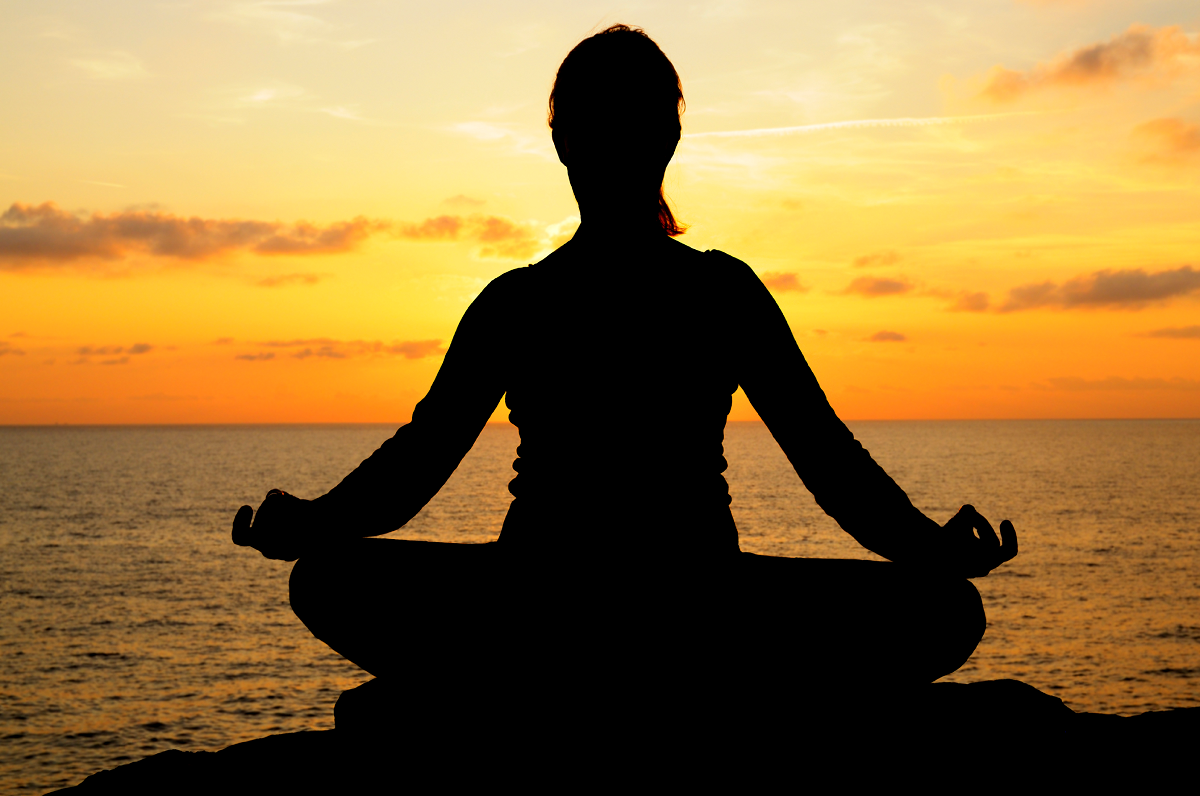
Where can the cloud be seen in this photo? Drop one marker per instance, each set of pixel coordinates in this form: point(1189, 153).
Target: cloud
point(781, 282)
point(259, 357)
point(438, 228)
point(7, 348)
point(1130, 289)
point(110, 66)
point(970, 302)
point(887, 337)
point(503, 238)
point(762, 132)
point(1139, 51)
point(290, 279)
point(417, 349)
point(47, 234)
point(285, 20)
point(340, 112)
point(521, 142)
point(464, 201)
point(117, 354)
point(328, 348)
point(1076, 384)
point(162, 396)
point(295, 343)
point(878, 258)
point(44, 234)
point(223, 341)
point(1171, 139)
point(110, 350)
point(873, 287)
point(324, 351)
point(1176, 333)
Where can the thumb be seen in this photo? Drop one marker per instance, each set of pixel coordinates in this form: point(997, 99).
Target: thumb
point(241, 526)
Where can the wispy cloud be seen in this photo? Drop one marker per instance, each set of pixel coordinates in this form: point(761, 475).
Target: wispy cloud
point(110, 66)
point(970, 302)
point(287, 20)
point(1138, 52)
point(114, 354)
point(7, 348)
point(887, 337)
point(282, 280)
point(1176, 333)
point(520, 141)
point(340, 112)
point(162, 396)
point(44, 234)
point(872, 286)
point(329, 348)
point(854, 124)
point(781, 282)
point(1170, 140)
point(462, 201)
point(888, 257)
point(1131, 289)
point(1076, 384)
point(107, 350)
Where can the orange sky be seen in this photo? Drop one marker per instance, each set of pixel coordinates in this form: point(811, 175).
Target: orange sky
point(278, 211)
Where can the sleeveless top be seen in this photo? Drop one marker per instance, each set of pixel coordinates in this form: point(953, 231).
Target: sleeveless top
point(619, 375)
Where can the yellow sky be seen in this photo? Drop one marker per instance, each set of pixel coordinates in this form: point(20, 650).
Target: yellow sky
point(278, 211)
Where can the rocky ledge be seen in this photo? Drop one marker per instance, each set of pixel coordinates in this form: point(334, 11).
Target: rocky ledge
point(997, 733)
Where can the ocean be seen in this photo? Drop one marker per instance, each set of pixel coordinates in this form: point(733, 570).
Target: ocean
point(129, 624)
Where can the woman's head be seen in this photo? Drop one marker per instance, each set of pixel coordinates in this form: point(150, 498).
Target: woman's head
point(614, 112)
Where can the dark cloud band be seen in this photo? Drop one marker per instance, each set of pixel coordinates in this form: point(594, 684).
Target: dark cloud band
point(46, 235)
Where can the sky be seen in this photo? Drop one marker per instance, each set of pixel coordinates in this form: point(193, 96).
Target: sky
point(277, 211)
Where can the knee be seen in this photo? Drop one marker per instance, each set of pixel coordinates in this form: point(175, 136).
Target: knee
point(303, 587)
point(964, 623)
point(971, 619)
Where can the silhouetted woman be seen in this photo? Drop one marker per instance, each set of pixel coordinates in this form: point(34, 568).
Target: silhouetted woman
point(618, 561)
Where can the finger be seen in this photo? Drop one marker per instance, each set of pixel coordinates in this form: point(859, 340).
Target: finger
point(961, 522)
point(241, 526)
point(987, 534)
point(1008, 535)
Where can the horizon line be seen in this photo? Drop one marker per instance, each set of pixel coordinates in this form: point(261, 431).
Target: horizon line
point(507, 423)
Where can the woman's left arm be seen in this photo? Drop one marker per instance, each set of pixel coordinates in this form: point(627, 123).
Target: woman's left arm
point(846, 482)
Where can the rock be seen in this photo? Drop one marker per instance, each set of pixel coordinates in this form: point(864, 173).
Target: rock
point(946, 735)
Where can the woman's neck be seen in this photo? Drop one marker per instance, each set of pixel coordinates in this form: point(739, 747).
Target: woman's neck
point(617, 232)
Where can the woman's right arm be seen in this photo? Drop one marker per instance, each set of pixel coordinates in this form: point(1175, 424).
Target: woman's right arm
point(388, 489)
point(843, 478)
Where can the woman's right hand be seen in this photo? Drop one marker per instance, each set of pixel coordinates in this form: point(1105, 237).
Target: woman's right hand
point(969, 547)
point(282, 528)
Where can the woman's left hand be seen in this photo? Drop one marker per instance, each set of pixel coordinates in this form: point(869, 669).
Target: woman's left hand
point(969, 546)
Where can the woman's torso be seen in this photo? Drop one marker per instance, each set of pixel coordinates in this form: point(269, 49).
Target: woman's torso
point(620, 381)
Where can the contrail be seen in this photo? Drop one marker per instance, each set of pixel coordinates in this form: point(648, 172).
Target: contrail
point(816, 128)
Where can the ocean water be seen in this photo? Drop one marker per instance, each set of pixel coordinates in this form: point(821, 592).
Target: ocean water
point(129, 624)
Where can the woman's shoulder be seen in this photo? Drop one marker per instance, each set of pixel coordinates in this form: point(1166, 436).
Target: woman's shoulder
point(507, 284)
point(719, 266)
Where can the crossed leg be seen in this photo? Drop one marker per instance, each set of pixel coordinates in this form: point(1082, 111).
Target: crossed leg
point(457, 613)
